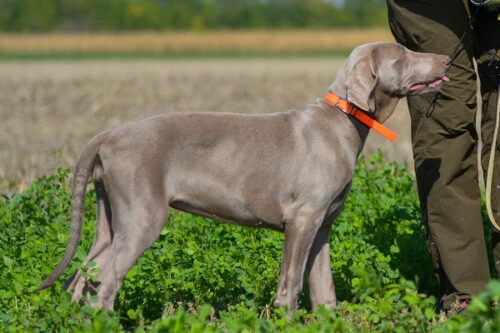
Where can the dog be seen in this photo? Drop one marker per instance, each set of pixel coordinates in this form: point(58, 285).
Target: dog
point(289, 171)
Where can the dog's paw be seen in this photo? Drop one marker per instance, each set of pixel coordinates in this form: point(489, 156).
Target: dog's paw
point(279, 303)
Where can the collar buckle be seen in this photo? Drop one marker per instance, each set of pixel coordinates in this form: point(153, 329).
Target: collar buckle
point(343, 106)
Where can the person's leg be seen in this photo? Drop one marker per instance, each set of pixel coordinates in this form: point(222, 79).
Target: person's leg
point(488, 62)
point(444, 146)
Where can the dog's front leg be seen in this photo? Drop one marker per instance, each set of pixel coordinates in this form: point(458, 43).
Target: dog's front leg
point(321, 285)
point(299, 236)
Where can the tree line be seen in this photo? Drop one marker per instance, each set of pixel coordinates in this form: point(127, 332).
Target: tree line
point(116, 15)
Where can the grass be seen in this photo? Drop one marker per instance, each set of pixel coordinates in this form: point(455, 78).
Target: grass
point(202, 276)
point(182, 43)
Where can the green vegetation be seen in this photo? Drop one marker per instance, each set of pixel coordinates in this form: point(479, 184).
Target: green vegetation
point(113, 15)
point(382, 272)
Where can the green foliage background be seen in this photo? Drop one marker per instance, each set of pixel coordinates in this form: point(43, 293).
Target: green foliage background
point(113, 15)
point(204, 276)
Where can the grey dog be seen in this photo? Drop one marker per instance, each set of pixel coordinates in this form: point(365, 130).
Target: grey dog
point(289, 171)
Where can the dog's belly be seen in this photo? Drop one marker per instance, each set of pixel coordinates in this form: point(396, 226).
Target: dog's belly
point(226, 206)
point(240, 218)
point(227, 214)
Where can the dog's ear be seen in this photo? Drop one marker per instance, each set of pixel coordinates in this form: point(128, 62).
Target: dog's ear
point(361, 82)
point(384, 105)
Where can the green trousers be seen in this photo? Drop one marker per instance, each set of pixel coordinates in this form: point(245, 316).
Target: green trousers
point(445, 139)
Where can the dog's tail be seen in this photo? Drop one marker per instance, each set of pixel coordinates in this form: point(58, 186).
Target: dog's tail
point(81, 177)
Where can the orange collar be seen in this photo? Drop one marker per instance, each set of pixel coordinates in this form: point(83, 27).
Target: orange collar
point(360, 115)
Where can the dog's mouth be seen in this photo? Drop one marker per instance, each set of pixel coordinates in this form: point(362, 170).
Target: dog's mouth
point(428, 85)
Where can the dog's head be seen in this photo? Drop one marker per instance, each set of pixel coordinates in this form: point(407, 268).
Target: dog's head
point(377, 75)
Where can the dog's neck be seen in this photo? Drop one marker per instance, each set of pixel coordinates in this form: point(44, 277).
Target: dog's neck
point(384, 106)
point(361, 130)
point(327, 114)
point(339, 89)
point(384, 103)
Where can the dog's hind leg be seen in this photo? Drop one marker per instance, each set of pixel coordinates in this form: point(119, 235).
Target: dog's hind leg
point(134, 230)
point(102, 240)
